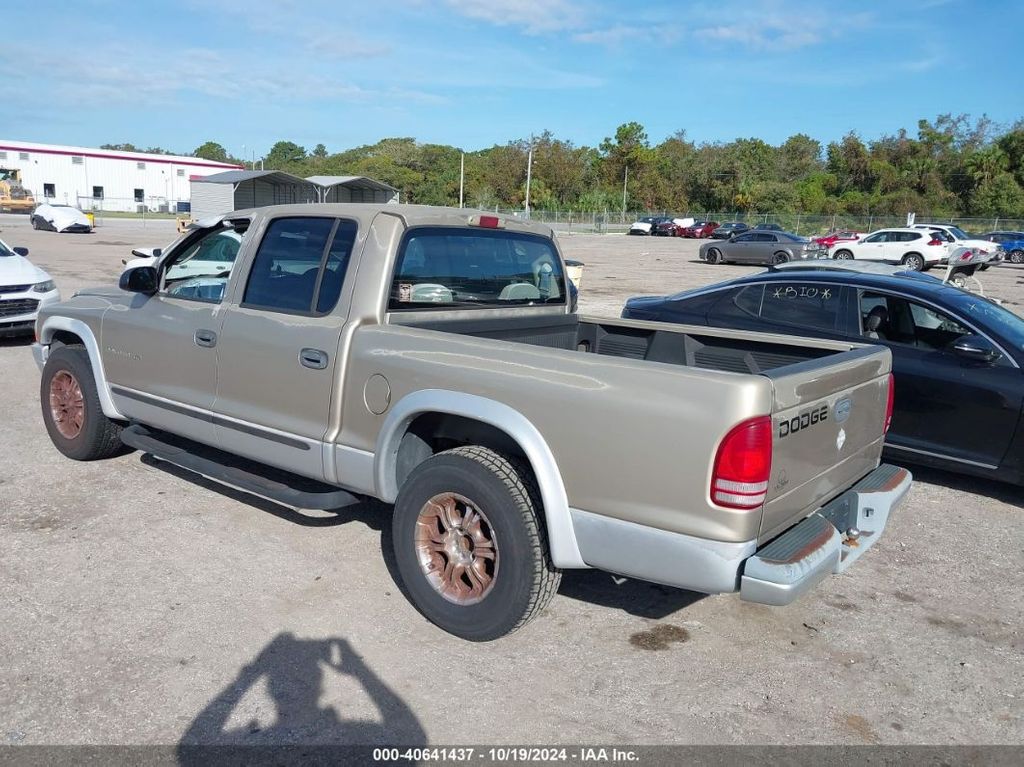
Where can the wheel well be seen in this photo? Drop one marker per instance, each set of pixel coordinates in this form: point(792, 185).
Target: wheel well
point(432, 433)
point(65, 338)
point(913, 253)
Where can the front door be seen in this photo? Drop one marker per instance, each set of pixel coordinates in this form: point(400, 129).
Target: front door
point(280, 342)
point(873, 248)
point(161, 356)
point(945, 406)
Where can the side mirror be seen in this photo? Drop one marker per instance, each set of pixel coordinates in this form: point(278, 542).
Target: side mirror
point(146, 252)
point(21, 251)
point(140, 279)
point(975, 349)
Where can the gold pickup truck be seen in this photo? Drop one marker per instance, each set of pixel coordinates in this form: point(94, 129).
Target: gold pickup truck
point(432, 358)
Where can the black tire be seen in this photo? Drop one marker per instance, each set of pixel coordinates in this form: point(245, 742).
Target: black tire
point(714, 256)
point(844, 255)
point(914, 261)
point(35, 223)
point(99, 437)
point(780, 258)
point(1016, 256)
point(504, 490)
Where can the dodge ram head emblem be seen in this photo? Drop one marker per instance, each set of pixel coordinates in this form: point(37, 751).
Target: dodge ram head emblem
point(841, 410)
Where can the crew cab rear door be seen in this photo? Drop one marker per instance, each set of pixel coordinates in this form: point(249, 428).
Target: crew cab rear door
point(279, 342)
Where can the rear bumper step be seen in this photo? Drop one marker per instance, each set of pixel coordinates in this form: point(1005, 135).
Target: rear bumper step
point(828, 541)
point(280, 486)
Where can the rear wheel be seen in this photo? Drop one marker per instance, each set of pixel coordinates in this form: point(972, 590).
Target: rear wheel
point(470, 545)
point(71, 407)
point(1016, 256)
point(844, 255)
point(780, 258)
point(913, 261)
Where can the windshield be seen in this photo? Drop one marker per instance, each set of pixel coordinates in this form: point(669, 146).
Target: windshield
point(957, 232)
point(791, 237)
point(990, 314)
point(5, 250)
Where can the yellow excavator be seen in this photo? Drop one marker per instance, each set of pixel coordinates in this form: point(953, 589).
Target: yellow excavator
point(14, 198)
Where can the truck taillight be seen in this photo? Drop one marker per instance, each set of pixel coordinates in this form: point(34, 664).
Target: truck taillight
point(890, 397)
point(739, 479)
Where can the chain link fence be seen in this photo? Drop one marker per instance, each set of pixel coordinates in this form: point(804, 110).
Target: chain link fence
point(615, 222)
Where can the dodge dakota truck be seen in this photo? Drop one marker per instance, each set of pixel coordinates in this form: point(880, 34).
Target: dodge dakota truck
point(431, 358)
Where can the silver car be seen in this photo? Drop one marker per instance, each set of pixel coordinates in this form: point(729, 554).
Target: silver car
point(760, 247)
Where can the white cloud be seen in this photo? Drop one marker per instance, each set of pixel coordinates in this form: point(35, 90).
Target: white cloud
point(534, 16)
point(773, 26)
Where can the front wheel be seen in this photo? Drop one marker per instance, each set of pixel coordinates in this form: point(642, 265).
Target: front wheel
point(470, 545)
point(714, 256)
point(71, 407)
point(35, 223)
point(1016, 257)
point(844, 255)
point(913, 261)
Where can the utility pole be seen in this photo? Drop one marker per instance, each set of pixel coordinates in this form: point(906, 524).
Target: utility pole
point(462, 177)
point(625, 178)
point(529, 171)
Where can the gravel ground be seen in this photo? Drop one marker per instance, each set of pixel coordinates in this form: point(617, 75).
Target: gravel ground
point(144, 605)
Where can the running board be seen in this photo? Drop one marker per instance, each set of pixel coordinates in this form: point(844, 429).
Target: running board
point(266, 481)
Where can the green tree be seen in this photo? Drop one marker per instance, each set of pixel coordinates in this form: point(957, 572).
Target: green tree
point(211, 150)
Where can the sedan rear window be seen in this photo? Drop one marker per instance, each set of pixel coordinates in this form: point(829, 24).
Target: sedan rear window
point(447, 267)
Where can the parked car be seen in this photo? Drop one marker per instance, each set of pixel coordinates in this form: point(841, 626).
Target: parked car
point(271, 378)
point(24, 288)
point(699, 230)
point(841, 235)
point(665, 226)
point(958, 358)
point(957, 237)
point(763, 227)
point(643, 226)
point(729, 229)
point(1012, 244)
point(916, 249)
point(59, 218)
point(756, 247)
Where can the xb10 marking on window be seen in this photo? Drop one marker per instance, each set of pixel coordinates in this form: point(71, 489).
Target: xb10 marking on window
point(803, 291)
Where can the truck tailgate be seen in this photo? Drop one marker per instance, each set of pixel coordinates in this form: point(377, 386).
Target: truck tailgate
point(828, 429)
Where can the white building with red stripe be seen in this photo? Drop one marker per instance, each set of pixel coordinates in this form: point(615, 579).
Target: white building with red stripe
point(101, 179)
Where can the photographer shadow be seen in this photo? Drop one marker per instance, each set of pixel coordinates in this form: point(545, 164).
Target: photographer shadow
point(295, 671)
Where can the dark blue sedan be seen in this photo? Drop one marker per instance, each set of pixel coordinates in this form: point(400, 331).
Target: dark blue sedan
point(957, 357)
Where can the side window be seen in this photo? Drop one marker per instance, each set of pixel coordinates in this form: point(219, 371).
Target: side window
point(744, 303)
point(879, 237)
point(809, 306)
point(298, 268)
point(202, 269)
point(901, 321)
point(746, 238)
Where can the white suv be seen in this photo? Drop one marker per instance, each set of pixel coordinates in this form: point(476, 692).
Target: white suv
point(958, 238)
point(915, 248)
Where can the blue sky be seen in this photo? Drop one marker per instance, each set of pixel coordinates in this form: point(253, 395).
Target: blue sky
point(474, 73)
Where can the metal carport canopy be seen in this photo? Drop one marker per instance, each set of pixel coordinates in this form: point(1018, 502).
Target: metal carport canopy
point(284, 187)
point(325, 184)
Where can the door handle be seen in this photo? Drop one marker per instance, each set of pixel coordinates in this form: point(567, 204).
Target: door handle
point(313, 358)
point(206, 338)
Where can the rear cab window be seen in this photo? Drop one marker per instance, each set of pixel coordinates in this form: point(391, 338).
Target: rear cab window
point(456, 267)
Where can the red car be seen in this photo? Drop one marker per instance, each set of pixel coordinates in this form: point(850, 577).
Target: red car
point(842, 235)
point(698, 230)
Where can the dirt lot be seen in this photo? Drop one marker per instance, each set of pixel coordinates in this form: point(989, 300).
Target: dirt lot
point(144, 605)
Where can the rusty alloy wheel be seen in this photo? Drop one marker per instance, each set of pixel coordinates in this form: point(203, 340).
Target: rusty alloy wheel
point(67, 405)
point(456, 548)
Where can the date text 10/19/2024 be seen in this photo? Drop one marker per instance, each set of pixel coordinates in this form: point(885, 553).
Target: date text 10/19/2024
point(505, 754)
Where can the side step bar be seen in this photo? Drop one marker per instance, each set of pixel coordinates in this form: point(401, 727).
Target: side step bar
point(277, 485)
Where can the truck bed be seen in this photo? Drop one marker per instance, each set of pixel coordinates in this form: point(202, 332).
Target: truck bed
point(711, 349)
